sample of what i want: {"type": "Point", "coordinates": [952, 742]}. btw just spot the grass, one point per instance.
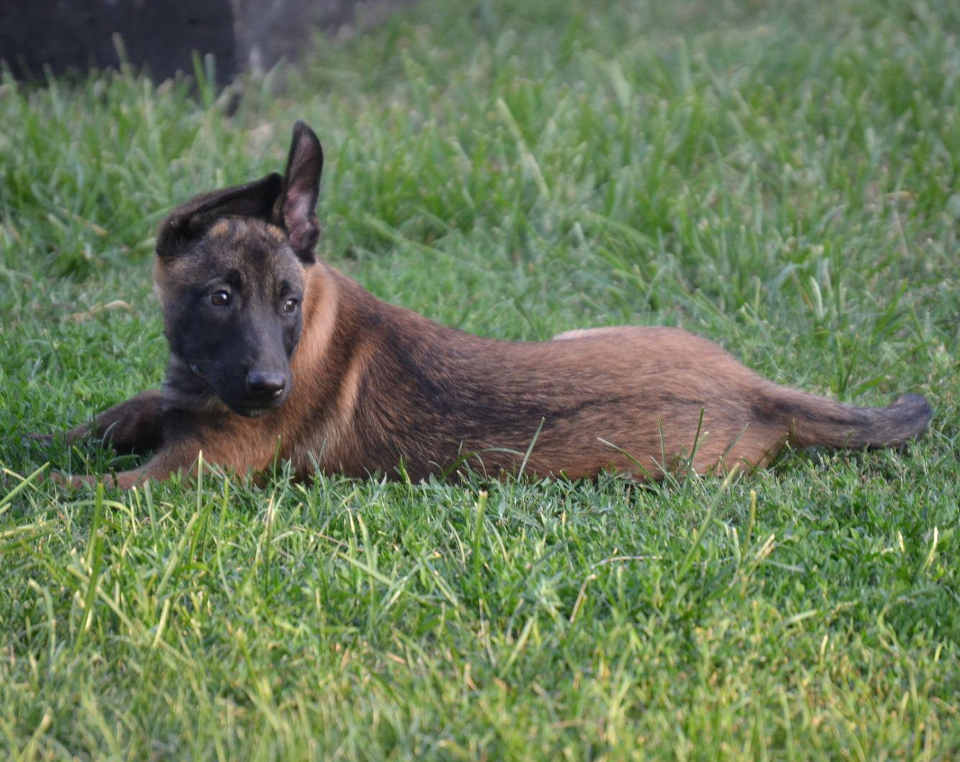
{"type": "Point", "coordinates": [780, 177]}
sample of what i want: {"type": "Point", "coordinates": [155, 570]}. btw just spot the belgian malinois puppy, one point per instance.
{"type": "Point", "coordinates": [274, 354]}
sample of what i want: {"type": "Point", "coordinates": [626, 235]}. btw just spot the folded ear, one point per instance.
{"type": "Point", "coordinates": [296, 209]}
{"type": "Point", "coordinates": [190, 220]}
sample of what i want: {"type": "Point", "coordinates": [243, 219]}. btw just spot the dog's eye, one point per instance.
{"type": "Point", "coordinates": [220, 298]}
{"type": "Point", "coordinates": [289, 306]}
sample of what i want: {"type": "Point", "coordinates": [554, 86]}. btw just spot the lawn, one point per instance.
{"type": "Point", "coordinates": [781, 177]}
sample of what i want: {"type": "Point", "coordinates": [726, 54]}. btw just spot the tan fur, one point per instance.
{"type": "Point", "coordinates": [221, 229]}
{"type": "Point", "coordinates": [580, 333]}
{"type": "Point", "coordinates": [276, 234]}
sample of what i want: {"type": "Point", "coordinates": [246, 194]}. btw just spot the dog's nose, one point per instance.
{"type": "Point", "coordinates": [266, 383]}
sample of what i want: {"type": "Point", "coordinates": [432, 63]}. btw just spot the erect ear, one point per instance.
{"type": "Point", "coordinates": [296, 209]}
{"type": "Point", "coordinates": [190, 220]}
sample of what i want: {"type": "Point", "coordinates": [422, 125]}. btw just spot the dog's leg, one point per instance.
{"type": "Point", "coordinates": [131, 426]}
{"type": "Point", "coordinates": [233, 451]}
{"type": "Point", "coordinates": [134, 426]}
{"type": "Point", "coordinates": [182, 456]}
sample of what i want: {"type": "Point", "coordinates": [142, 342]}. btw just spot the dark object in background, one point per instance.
{"type": "Point", "coordinates": [73, 36]}
{"type": "Point", "coordinates": [161, 36]}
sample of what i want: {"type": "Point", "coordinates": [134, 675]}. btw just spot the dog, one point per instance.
{"type": "Point", "coordinates": [274, 354]}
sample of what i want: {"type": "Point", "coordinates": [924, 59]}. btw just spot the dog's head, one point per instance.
{"type": "Point", "coordinates": [230, 273]}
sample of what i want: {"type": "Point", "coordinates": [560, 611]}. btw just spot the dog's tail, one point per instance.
{"type": "Point", "coordinates": [813, 420]}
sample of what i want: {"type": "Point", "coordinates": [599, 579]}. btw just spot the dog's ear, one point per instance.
{"type": "Point", "coordinates": [296, 209]}
{"type": "Point", "coordinates": [189, 221]}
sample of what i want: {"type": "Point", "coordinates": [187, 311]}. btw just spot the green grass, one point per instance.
{"type": "Point", "coordinates": [783, 178]}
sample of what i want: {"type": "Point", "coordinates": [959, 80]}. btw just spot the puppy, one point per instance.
{"type": "Point", "coordinates": [275, 354]}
